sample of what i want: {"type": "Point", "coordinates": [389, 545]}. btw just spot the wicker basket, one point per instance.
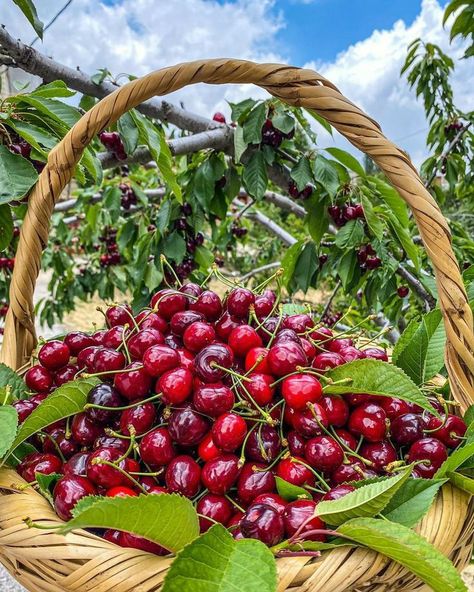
{"type": "Point", "coordinates": [80, 562]}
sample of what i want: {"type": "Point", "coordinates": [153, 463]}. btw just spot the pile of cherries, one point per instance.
{"type": "Point", "coordinates": [213, 399]}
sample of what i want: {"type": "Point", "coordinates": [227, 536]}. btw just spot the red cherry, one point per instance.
{"type": "Point", "coordinates": [24, 409]}
{"type": "Point", "coordinates": [260, 388]}
{"type": "Point", "coordinates": [403, 291]}
{"type": "Point", "coordinates": [308, 422]}
{"type": "Point", "coordinates": [112, 536]}
{"type": "Point", "coordinates": [300, 323]}
{"type": "Point", "coordinates": [346, 438]}
{"type": "Point", "coordinates": [338, 492]}
{"type": "Point", "coordinates": [216, 507]}
{"type": "Point", "coordinates": [118, 315]}
{"type": "Point", "coordinates": [327, 360]}
{"type": "Point", "coordinates": [65, 374]}
{"type": "Point", "coordinates": [242, 339]}
{"type": "Point", "coordinates": [160, 358]}
{"type": "Point", "coordinates": [354, 471]}
{"type": "Point", "coordinates": [121, 491]}
{"type": "Point", "coordinates": [183, 475]}
{"type": "Point", "coordinates": [296, 443]}
{"type": "Point", "coordinates": [273, 500]}
{"type": "Point", "coordinates": [350, 354]}
{"type": "Point", "coordinates": [263, 306]}
{"type": "Point", "coordinates": [229, 431]}
{"type": "Point", "coordinates": [432, 452]}
{"type": "Point", "coordinates": [141, 341]}
{"type": "Point", "coordinates": [308, 348]}
{"type": "Point", "coordinates": [141, 418]}
{"type": "Point", "coordinates": [68, 491]}
{"type": "Point", "coordinates": [254, 480]}
{"type": "Point", "coordinates": [168, 302]}
{"type": "Point", "coordinates": [285, 358]}
{"type": "Point", "coordinates": [54, 354]}
{"type": "Point", "coordinates": [187, 427]}
{"type": "Point", "coordinates": [206, 360]}
{"type": "Point", "coordinates": [224, 326]}
{"type": "Point", "coordinates": [239, 301]}
{"type": "Point", "coordinates": [450, 430]}
{"type": "Point", "coordinates": [207, 450]}
{"type": "Point", "coordinates": [104, 475]}
{"type": "Point", "coordinates": [407, 429]}
{"type": "Point", "coordinates": [209, 304]}
{"type": "Point", "coordinates": [113, 338]}
{"type": "Point", "coordinates": [336, 409]}
{"type": "Point", "coordinates": [394, 407]}
{"type": "Point", "coordinates": [219, 474]}
{"type": "Point", "coordinates": [176, 386]}
{"type": "Point", "coordinates": [213, 399]}
{"type": "Point", "coordinates": [370, 421]}
{"type": "Point", "coordinates": [134, 382]}
{"type": "Point", "coordinates": [375, 353]}
{"type": "Point", "coordinates": [132, 541]}
{"type": "Point", "coordinates": [77, 464]}
{"type": "Point", "coordinates": [380, 454]}
{"type": "Point", "coordinates": [108, 360]}
{"type": "Point", "coordinates": [33, 463]}
{"type": "Point", "coordinates": [324, 453]}
{"type": "Point", "coordinates": [297, 514]}
{"type": "Point", "coordinates": [76, 341]}
{"type": "Point", "coordinates": [295, 471]}
{"type": "Point", "coordinates": [85, 358]}
{"type": "Point", "coordinates": [181, 320]}
{"type": "Point", "coordinates": [84, 430]}
{"type": "Point", "coordinates": [38, 379]}
{"type": "Point", "coordinates": [56, 439]}
{"type": "Point", "coordinates": [300, 389]}
{"type": "Point", "coordinates": [219, 117]}
{"type": "Point", "coordinates": [263, 444]}
{"type": "Point", "coordinates": [150, 320]}
{"type": "Point", "coordinates": [197, 335]}
{"type": "Point", "coordinates": [157, 448]}
{"type": "Point", "coordinates": [336, 345]}
{"type": "Point", "coordinates": [264, 523]}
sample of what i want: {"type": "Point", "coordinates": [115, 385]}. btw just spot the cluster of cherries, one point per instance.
{"type": "Point", "coordinates": [23, 148]}
{"type": "Point", "coordinates": [193, 240]}
{"type": "Point", "coordinates": [113, 143]}
{"type": "Point", "coordinates": [129, 197]}
{"type": "Point", "coordinates": [112, 255]}
{"type": "Point", "coordinates": [293, 191]}
{"type": "Point", "coordinates": [238, 230]}
{"type": "Point", "coordinates": [342, 215]}
{"type": "Point", "coordinates": [7, 263]}
{"type": "Point", "coordinates": [213, 400]}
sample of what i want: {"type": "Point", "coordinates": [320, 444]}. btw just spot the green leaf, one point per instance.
{"type": "Point", "coordinates": [17, 176]}
{"type": "Point", "coordinates": [393, 199]}
{"type": "Point", "coordinates": [46, 483]}
{"type": "Point", "coordinates": [290, 492]}
{"type": "Point", "coordinates": [65, 401]}
{"type": "Point", "coordinates": [255, 176]}
{"type": "Point", "coordinates": [203, 257]}
{"type": "Point", "coordinates": [15, 458]}
{"type": "Point", "coordinates": [29, 10]}
{"type": "Point", "coordinates": [405, 240]}
{"type": "Point", "coordinates": [377, 378]}
{"type": "Point", "coordinates": [8, 427]}
{"type": "Point", "coordinates": [34, 135]}
{"type": "Point", "coordinates": [347, 267]}
{"type": "Point", "coordinates": [169, 519]}
{"type": "Point", "coordinates": [289, 261]}
{"type": "Point", "coordinates": [325, 124]}
{"type": "Point", "coordinates": [455, 460]}
{"type": "Point", "coordinates": [462, 482]}
{"type": "Point", "coordinates": [6, 226]}
{"type": "Point", "coordinates": [326, 174]}
{"type": "Point", "coordinates": [373, 220]}
{"type": "Point", "coordinates": [421, 354]}
{"type": "Point", "coordinates": [301, 173]}
{"type": "Point", "coordinates": [128, 131]}
{"type": "Point", "coordinates": [412, 501]}
{"type": "Point", "coordinates": [317, 218]}
{"type": "Point", "coordinates": [469, 415]}
{"type": "Point", "coordinates": [174, 247]}
{"type": "Point", "coordinates": [283, 122]}
{"type": "Point", "coordinates": [240, 145]}
{"type": "Point", "coordinates": [368, 500]}
{"type": "Point", "coordinates": [165, 166]}
{"type": "Point", "coordinates": [164, 216]}
{"type": "Point", "coordinates": [57, 88]}
{"type": "Point", "coordinates": [10, 378]}
{"type": "Point", "coordinates": [252, 127]}
{"type": "Point", "coordinates": [409, 549]}
{"type": "Point", "coordinates": [350, 235]}
{"type": "Point", "coordinates": [306, 266]}
{"type": "Point", "coordinates": [215, 562]}
{"type": "Point", "coordinates": [347, 160]}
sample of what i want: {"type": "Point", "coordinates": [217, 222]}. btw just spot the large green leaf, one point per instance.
{"type": "Point", "coordinates": [368, 500]}
{"type": "Point", "coordinates": [240, 145]}
{"type": "Point", "coordinates": [57, 88]}
{"type": "Point", "coordinates": [9, 378]}
{"type": "Point", "coordinates": [169, 519]}
{"type": "Point", "coordinates": [29, 10]}
{"type": "Point", "coordinates": [326, 174]}
{"type": "Point", "coordinates": [411, 502]}
{"type": "Point", "coordinates": [66, 401]}
{"type": "Point", "coordinates": [350, 235]}
{"type": "Point", "coordinates": [301, 173]}
{"type": "Point", "coordinates": [289, 260]}
{"type": "Point", "coordinates": [406, 240]}
{"type": "Point", "coordinates": [252, 128]}
{"type": "Point", "coordinates": [421, 354]}
{"type": "Point", "coordinates": [6, 226]}
{"type": "Point", "coordinates": [8, 427]}
{"type": "Point", "coordinates": [215, 562]}
{"type": "Point", "coordinates": [394, 201]}
{"type": "Point", "coordinates": [409, 549]}
{"type": "Point", "coordinates": [377, 378]}
{"type": "Point", "coordinates": [255, 175]}
{"type": "Point", "coordinates": [462, 482]}
{"type": "Point", "coordinates": [306, 267]}
{"type": "Point", "coordinates": [373, 220]}
{"type": "Point", "coordinates": [455, 460]}
{"type": "Point", "coordinates": [128, 131]}
{"type": "Point", "coordinates": [347, 160]}
{"type": "Point", "coordinates": [17, 176]}
{"type": "Point", "coordinates": [165, 166]}
{"type": "Point", "coordinates": [290, 492]}
{"type": "Point", "coordinates": [317, 219]}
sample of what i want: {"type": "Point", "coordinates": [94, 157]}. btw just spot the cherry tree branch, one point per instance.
{"type": "Point", "coordinates": [418, 288]}
{"type": "Point", "coordinates": [446, 153]}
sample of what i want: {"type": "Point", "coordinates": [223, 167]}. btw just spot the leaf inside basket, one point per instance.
{"type": "Point", "coordinates": [8, 426]}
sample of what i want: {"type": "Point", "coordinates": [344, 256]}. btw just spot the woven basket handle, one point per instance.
{"type": "Point", "coordinates": [295, 86]}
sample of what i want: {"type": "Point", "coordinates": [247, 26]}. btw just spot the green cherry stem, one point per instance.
{"type": "Point", "coordinates": [125, 407]}
{"type": "Point", "coordinates": [101, 461]}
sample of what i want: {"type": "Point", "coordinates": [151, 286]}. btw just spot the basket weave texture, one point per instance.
{"type": "Point", "coordinates": [80, 562]}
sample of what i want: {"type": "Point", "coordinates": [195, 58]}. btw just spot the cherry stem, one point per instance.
{"type": "Point", "coordinates": [108, 372]}
{"type": "Point", "coordinates": [131, 406]}
{"type": "Point", "coordinates": [315, 473]}
{"type": "Point", "coordinates": [234, 503]}
{"type": "Point", "coordinates": [126, 454]}
{"type": "Point", "coordinates": [124, 343]}
{"type": "Point", "coordinates": [164, 261]}
{"type": "Point", "coordinates": [29, 522]}
{"type": "Point", "coordinates": [102, 461]}
{"type": "Point", "coordinates": [280, 319]}
{"type": "Point", "coordinates": [347, 449]}
{"type": "Point", "coordinates": [55, 444]}
{"type": "Point", "coordinates": [229, 371]}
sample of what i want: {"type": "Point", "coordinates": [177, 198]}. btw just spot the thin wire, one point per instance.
{"type": "Point", "coordinates": [52, 21]}
{"type": "Point", "coordinates": [425, 129]}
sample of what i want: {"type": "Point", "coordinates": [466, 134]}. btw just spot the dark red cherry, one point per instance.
{"type": "Point", "coordinates": [239, 301]}
{"type": "Point", "coordinates": [322, 334]}
{"type": "Point", "coordinates": [118, 315]}
{"type": "Point", "coordinates": [254, 479]}
{"type": "Point", "coordinates": [56, 440]}
{"type": "Point", "coordinates": [160, 358]}
{"type": "Point", "coordinates": [406, 429]}
{"type": "Point", "coordinates": [338, 492]}
{"type": "Point", "coordinates": [432, 452]}
{"type": "Point", "coordinates": [168, 302]}
{"type": "Point", "coordinates": [216, 507]}
{"type": "Point", "coordinates": [263, 306]}
{"type": "Point", "coordinates": [33, 463]}
{"type": "Point", "coordinates": [150, 320]}
{"type": "Point", "coordinates": [308, 422]}
{"type": "Point", "coordinates": [369, 421]}
{"type": "Point", "coordinates": [187, 427]}
{"type": "Point", "coordinates": [336, 345]}
{"type": "Point", "coordinates": [285, 335]}
{"type": "Point", "coordinates": [327, 360]}
{"type": "Point", "coordinates": [297, 514]}
{"type": "Point", "coordinates": [77, 341]}
{"type": "Point", "coordinates": [141, 341]}
{"type": "Point", "coordinates": [134, 382]}
{"type": "Point", "coordinates": [375, 353]}
{"type": "Point", "coordinates": [285, 358]}
{"type": "Point", "coordinates": [39, 379]}
{"type": "Point", "coordinates": [157, 448]}
{"type": "Point", "coordinates": [308, 348]}
{"type": "Point", "coordinates": [450, 430]}
{"type": "Point", "coordinates": [264, 523]}
{"type": "Point", "coordinates": [300, 323]}
{"type": "Point", "coordinates": [295, 471]}
{"type": "Point", "coordinates": [229, 431]}
{"type": "Point", "coordinates": [68, 491]}
{"type": "Point", "coordinates": [85, 358]}
{"type": "Point", "coordinates": [191, 289]}
{"type": "Point", "coordinates": [300, 389]}
{"type": "Point", "coordinates": [197, 335]}
{"type": "Point", "coordinates": [263, 444]}
{"type": "Point", "coordinates": [133, 541]}
{"type": "Point", "coordinates": [219, 474]}
{"type": "Point", "coordinates": [104, 395]}
{"type": "Point", "coordinates": [108, 360]}
{"type": "Point", "coordinates": [65, 374]}
{"type": "Point", "coordinates": [207, 450]}
{"type": "Point", "coordinates": [296, 443]}
{"type": "Point", "coordinates": [54, 354]}
{"type": "Point", "coordinates": [141, 418]}
{"type": "Point", "coordinates": [112, 536]}
{"type": "Point", "coordinates": [183, 475]}
{"type": "Point", "coordinates": [349, 354]}
{"type": "Point", "coordinates": [394, 407]}
{"type": "Point", "coordinates": [273, 500]}
{"type": "Point", "coordinates": [225, 325]}
{"type": "Point", "coordinates": [213, 399]}
{"type": "Point", "coordinates": [354, 470]}
{"type": "Point", "coordinates": [77, 464]}
{"type": "Point", "coordinates": [113, 338]}
{"type": "Point", "coordinates": [186, 359]}
{"type": "Point", "coordinates": [259, 387]}
{"type": "Point", "coordinates": [209, 304]}
{"type": "Point", "coordinates": [84, 430]}
{"type": "Point", "coordinates": [337, 410]}
{"type": "Point", "coordinates": [242, 339]}
{"type": "Point", "coordinates": [182, 319]}
{"type": "Point", "coordinates": [380, 454]}
{"type": "Point", "coordinates": [206, 360]}
{"type": "Point", "coordinates": [324, 453]}
{"type": "Point", "coordinates": [104, 475]}
{"type": "Point", "coordinates": [346, 438]}
{"type": "Point", "coordinates": [24, 408]}
{"type": "Point", "coordinates": [99, 336]}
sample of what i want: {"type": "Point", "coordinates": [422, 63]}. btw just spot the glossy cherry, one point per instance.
{"type": "Point", "coordinates": [175, 385]}
{"type": "Point", "coordinates": [118, 315]}
{"type": "Point", "coordinates": [263, 444]}
{"type": "Point", "coordinates": [336, 409]}
{"type": "Point", "coordinates": [297, 517]}
{"type": "Point", "coordinates": [216, 507]}
{"type": "Point", "coordinates": [450, 430]}
{"type": "Point", "coordinates": [84, 430]}
{"type": "Point", "coordinates": [141, 418]}
{"type": "Point", "coordinates": [76, 341]}
{"type": "Point", "coordinates": [327, 360]}
{"type": "Point", "coordinates": [187, 427]}
{"type": "Point", "coordinates": [259, 388]}
{"type": "Point", "coordinates": [300, 389]}
{"type": "Point", "coordinates": [104, 475]}
{"type": "Point", "coordinates": [273, 500]}
{"type": "Point", "coordinates": [219, 474]}
{"type": "Point", "coordinates": [183, 475]}
{"type": "Point", "coordinates": [209, 304]}
{"type": "Point", "coordinates": [121, 491]}
{"type": "Point", "coordinates": [181, 320]}
{"type": "Point", "coordinates": [39, 379]}
{"type": "Point", "coordinates": [207, 359]}
{"type": "Point", "coordinates": [141, 341]}
{"type": "Point", "coordinates": [324, 453]}
{"type": "Point", "coordinates": [65, 374]}
{"type": "Point", "coordinates": [242, 339]}
{"type": "Point", "coordinates": [158, 359]}
{"type": "Point", "coordinates": [213, 399]}
{"type": "Point", "coordinates": [39, 463]}
{"type": "Point", "coordinates": [77, 464]}
{"type": "Point", "coordinates": [68, 491]}
{"type": "Point", "coordinates": [285, 358]}
{"type": "Point", "coordinates": [431, 451]}
{"type": "Point", "coordinates": [369, 421]}
{"type": "Point", "coordinates": [239, 301]}
{"type": "Point", "coordinates": [380, 454]}
{"type": "Point", "coordinates": [338, 492]}
{"type": "Point", "coordinates": [311, 421]}
{"type": "Point", "coordinates": [264, 523]}
{"type": "Point", "coordinates": [406, 429]}
{"type": "Point", "coordinates": [295, 471]}
{"type": "Point", "coordinates": [229, 431]}
{"type": "Point", "coordinates": [134, 382]}
{"type": "Point", "coordinates": [54, 354]}
{"type": "Point", "coordinates": [254, 479]}
{"type": "Point", "coordinates": [168, 302]}
{"type": "Point", "coordinates": [104, 395]}
{"type": "Point", "coordinates": [197, 335]}
{"type": "Point", "coordinates": [157, 447]}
